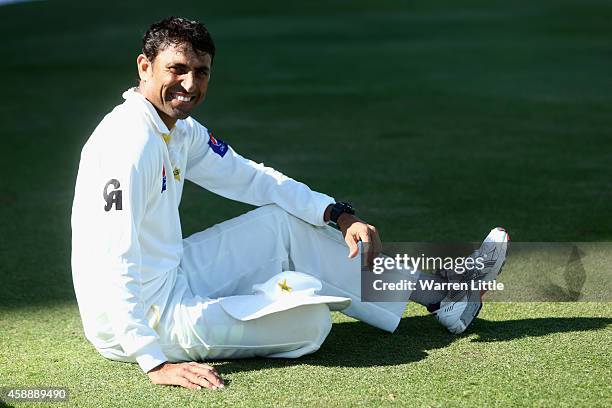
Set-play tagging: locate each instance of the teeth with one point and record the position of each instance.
(183, 98)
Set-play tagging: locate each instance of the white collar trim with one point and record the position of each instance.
(132, 95)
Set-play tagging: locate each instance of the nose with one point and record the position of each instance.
(189, 82)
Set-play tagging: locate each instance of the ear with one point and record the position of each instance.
(145, 67)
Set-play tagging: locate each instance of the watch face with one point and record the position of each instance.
(347, 208)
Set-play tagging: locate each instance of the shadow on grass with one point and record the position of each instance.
(490, 331)
(356, 344)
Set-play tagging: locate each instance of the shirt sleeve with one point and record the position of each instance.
(125, 183)
(215, 166)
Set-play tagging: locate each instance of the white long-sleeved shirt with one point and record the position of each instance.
(126, 231)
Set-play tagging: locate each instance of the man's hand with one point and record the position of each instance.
(355, 230)
(189, 375)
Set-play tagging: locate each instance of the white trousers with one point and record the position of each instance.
(229, 258)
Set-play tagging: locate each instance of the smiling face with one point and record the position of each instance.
(175, 81)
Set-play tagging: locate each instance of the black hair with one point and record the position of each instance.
(174, 31)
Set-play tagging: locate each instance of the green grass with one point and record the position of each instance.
(518, 354)
(437, 120)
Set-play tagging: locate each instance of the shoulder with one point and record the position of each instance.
(202, 136)
(124, 136)
(196, 137)
(194, 129)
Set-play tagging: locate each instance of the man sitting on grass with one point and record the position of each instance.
(147, 295)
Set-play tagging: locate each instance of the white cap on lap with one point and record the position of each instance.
(284, 291)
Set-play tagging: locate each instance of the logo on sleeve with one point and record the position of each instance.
(164, 186)
(113, 197)
(217, 145)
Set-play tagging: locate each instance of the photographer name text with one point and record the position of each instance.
(404, 284)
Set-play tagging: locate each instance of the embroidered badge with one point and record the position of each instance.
(163, 178)
(177, 173)
(284, 287)
(217, 145)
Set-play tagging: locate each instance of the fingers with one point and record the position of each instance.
(207, 373)
(376, 246)
(184, 382)
(351, 241)
(367, 234)
(189, 375)
(369, 246)
(375, 239)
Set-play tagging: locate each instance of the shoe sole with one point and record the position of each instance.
(463, 327)
(501, 268)
(434, 308)
(482, 292)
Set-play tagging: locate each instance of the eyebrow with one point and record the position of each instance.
(181, 65)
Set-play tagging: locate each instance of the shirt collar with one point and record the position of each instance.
(132, 95)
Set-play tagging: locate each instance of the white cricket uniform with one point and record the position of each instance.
(147, 295)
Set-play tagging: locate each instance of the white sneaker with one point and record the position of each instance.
(457, 316)
(459, 308)
(493, 251)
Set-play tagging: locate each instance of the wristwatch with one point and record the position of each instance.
(339, 209)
